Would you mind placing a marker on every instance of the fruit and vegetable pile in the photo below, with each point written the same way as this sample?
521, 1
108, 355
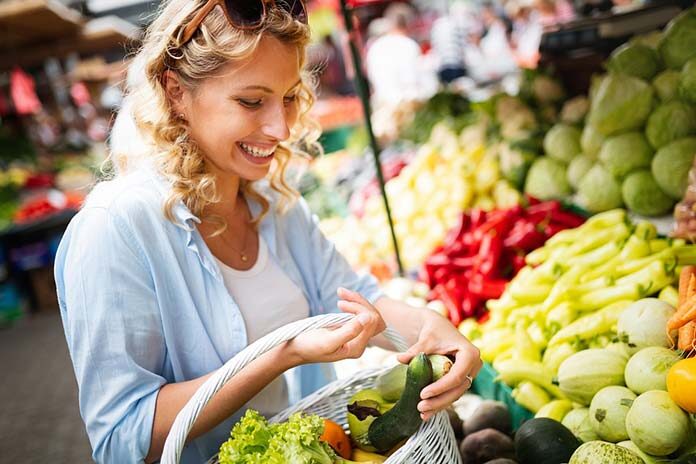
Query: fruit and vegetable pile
379, 421
485, 250
631, 141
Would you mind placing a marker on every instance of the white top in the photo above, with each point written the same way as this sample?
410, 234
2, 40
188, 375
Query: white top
267, 299
394, 67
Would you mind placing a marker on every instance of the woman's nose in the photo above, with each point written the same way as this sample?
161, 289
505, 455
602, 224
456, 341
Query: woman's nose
276, 124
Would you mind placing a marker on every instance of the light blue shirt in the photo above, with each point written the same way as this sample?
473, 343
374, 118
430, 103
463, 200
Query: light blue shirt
144, 304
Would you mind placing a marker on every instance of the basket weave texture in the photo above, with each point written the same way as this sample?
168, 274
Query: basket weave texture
433, 443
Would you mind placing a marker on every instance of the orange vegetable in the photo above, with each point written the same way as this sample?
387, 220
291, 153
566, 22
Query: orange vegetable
336, 438
683, 318
681, 384
687, 338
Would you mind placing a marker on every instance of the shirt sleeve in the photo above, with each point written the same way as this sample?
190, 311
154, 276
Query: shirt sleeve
331, 269
114, 332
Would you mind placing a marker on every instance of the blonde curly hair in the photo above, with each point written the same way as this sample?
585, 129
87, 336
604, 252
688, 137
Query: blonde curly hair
215, 43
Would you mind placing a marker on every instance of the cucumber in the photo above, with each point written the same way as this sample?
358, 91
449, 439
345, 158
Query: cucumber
403, 420
391, 384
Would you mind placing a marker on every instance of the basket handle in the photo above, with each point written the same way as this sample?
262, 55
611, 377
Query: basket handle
176, 439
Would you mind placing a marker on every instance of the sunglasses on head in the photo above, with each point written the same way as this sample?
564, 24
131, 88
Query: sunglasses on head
244, 14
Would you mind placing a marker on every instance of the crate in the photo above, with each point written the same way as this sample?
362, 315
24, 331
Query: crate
487, 387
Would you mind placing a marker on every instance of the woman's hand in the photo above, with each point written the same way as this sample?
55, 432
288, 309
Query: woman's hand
439, 336
347, 341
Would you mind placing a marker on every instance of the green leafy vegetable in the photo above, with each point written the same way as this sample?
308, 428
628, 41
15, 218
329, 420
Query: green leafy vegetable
254, 441
621, 103
635, 60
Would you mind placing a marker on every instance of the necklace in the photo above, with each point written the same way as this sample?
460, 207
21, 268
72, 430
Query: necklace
242, 253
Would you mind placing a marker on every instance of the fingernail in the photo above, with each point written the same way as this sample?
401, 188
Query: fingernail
426, 394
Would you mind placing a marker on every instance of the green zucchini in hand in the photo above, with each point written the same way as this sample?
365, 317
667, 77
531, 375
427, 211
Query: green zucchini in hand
391, 384
403, 420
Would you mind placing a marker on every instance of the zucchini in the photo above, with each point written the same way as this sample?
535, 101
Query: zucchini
391, 384
403, 420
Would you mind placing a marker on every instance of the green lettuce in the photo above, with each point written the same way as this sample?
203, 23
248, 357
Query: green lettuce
254, 441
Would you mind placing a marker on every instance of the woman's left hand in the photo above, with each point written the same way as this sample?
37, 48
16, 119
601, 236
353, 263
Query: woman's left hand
439, 336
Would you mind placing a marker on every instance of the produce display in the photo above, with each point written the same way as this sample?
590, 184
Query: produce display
634, 145
572, 291
485, 250
445, 178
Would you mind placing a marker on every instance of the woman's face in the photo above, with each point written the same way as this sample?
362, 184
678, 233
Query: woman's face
239, 117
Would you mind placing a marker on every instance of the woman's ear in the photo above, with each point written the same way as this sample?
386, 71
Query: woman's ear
175, 91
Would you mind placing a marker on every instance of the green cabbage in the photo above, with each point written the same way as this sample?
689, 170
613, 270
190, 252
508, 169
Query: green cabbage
678, 43
667, 84
669, 122
671, 164
687, 81
599, 191
591, 141
546, 179
635, 60
642, 194
514, 163
578, 168
624, 153
562, 142
575, 110
621, 103
649, 39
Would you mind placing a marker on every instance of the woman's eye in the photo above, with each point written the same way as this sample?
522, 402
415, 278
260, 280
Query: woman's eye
249, 103
290, 99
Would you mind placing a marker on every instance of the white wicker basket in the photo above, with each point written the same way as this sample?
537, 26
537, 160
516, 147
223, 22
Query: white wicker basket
433, 443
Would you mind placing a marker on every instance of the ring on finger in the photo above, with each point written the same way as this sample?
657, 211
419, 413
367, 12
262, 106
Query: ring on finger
470, 379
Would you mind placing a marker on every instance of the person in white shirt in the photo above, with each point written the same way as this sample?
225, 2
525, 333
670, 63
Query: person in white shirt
394, 61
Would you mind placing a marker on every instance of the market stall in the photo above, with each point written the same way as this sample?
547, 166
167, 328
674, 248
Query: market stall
544, 227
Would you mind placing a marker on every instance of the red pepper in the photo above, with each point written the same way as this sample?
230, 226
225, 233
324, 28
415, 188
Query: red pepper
478, 217
525, 236
567, 219
488, 258
518, 263
545, 207
499, 222
487, 289
552, 229
470, 304
453, 308
463, 262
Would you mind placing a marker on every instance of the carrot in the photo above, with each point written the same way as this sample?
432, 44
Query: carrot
687, 337
684, 281
686, 313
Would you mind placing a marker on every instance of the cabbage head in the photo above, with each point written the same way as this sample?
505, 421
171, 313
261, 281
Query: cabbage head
547, 180
671, 164
687, 81
622, 103
643, 196
678, 44
577, 169
591, 141
667, 84
515, 162
562, 142
599, 191
636, 60
625, 153
669, 122
575, 110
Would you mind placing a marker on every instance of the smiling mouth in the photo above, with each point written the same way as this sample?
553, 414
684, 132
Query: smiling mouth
255, 154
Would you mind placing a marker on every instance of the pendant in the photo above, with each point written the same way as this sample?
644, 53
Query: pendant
244, 258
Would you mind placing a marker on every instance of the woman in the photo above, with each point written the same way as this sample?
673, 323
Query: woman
174, 267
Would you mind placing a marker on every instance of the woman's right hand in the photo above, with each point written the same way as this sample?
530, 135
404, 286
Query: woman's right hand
346, 341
